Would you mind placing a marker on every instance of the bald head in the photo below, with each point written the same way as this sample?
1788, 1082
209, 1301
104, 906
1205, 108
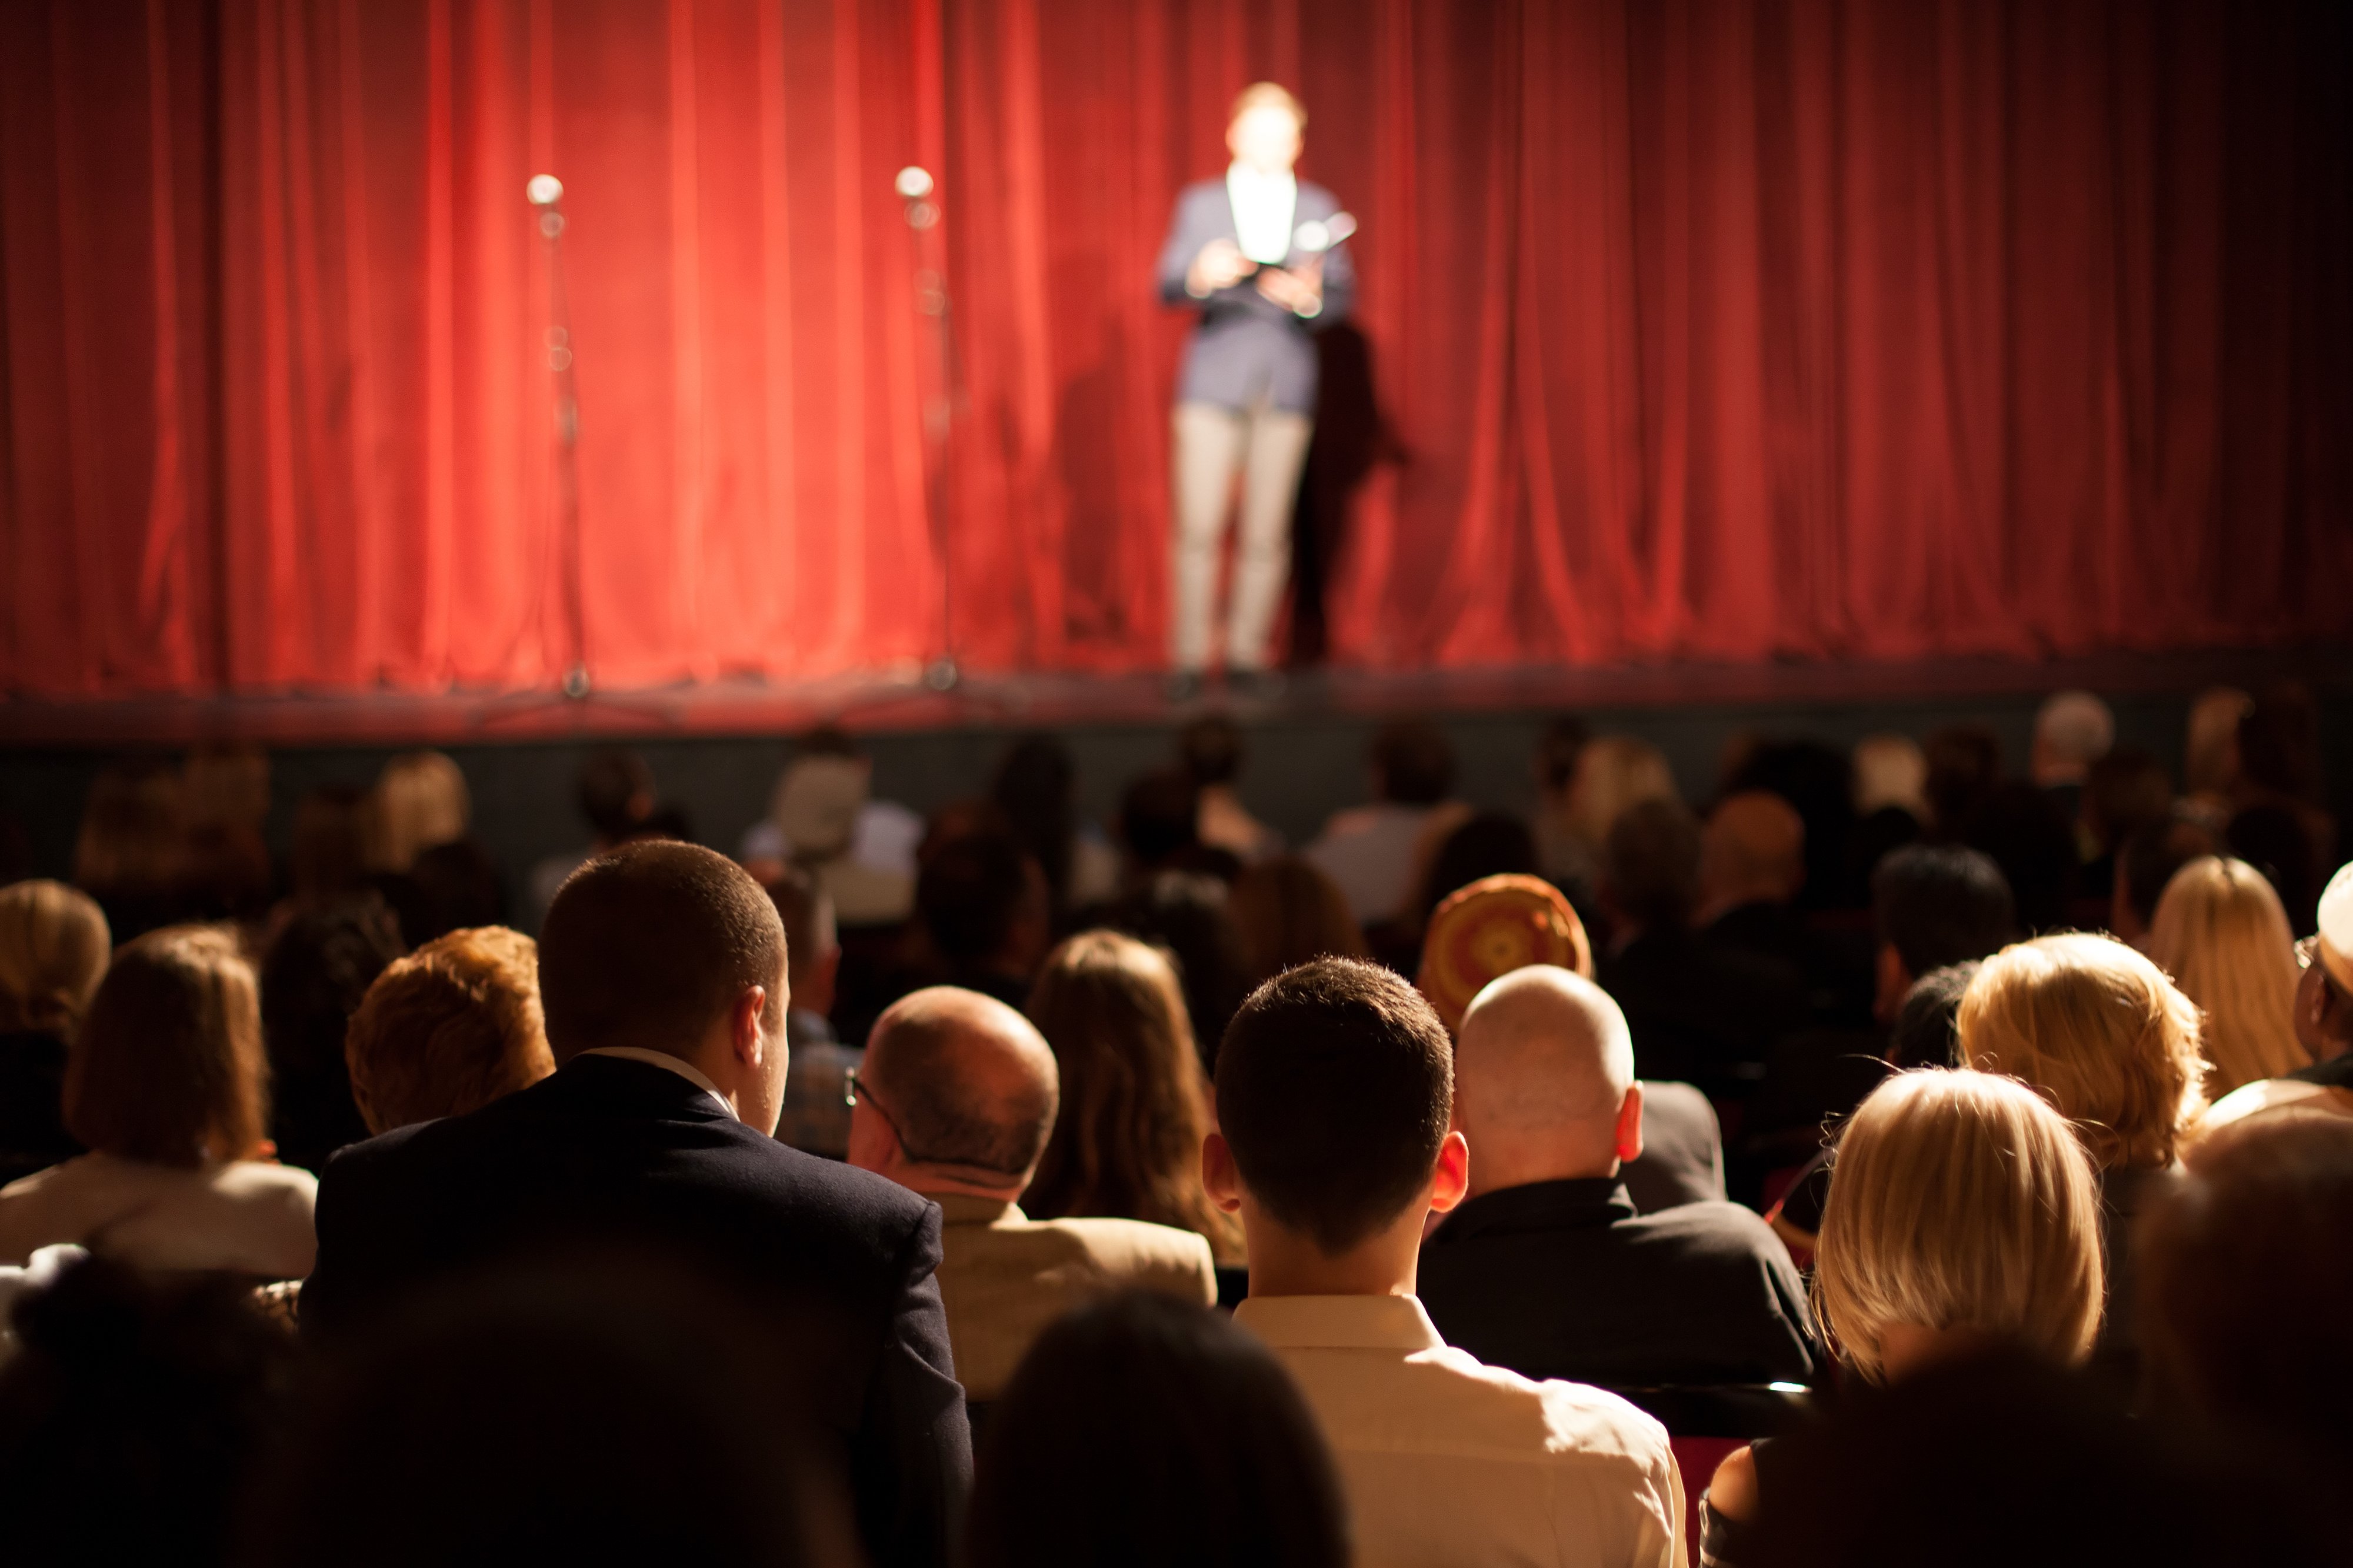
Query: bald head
1544, 1081
966, 1083
1754, 851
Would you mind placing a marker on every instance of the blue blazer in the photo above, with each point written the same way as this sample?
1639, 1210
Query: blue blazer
1247, 346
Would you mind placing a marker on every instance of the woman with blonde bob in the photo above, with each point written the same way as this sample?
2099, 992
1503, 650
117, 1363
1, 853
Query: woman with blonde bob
452, 1028
2221, 933
1127, 1140
166, 1084
1963, 1213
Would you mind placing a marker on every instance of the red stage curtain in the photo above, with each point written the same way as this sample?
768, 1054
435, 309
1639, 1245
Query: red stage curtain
1805, 326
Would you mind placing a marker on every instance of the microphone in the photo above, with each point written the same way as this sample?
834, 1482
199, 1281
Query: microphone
545, 192
914, 187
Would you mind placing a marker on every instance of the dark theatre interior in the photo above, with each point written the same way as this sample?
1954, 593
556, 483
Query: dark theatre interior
1268, 784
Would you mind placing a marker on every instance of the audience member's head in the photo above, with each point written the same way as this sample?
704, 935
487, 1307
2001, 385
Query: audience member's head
332, 837
168, 1068
1753, 851
2072, 729
1037, 786
818, 796
1160, 818
2324, 996
2246, 1271
956, 1094
1146, 1431
1935, 904
1543, 1081
1650, 866
1210, 749
1286, 912
670, 947
1817, 781
2210, 743
2099, 1027
1557, 750
1962, 1208
134, 1414
1614, 774
2123, 793
2030, 836
452, 1028
1413, 763
2145, 862
2220, 933
983, 903
130, 852
812, 943
449, 887
2279, 743
1964, 765
420, 800
1127, 1143
1926, 1032
1488, 930
317, 969
2274, 839
1492, 844
1890, 770
53, 949
1184, 914
1335, 1088
616, 792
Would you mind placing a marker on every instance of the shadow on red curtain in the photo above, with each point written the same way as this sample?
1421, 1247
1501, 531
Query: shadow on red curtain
1880, 328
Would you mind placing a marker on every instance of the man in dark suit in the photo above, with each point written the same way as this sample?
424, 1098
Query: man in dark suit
1258, 253
662, 974
1546, 1268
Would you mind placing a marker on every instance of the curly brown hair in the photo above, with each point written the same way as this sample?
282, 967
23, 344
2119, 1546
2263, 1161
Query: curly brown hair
452, 1028
1127, 1143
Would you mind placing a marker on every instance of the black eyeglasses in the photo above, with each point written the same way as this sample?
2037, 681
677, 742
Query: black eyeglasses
854, 1088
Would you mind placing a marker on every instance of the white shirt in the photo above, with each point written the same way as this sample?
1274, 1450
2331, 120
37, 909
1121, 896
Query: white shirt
1263, 206
1450, 1462
248, 1216
684, 1068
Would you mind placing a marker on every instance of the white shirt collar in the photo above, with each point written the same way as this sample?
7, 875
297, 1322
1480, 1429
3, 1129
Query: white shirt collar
679, 1065
1340, 1322
1263, 207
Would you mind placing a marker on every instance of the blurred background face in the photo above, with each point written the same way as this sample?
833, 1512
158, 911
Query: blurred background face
1265, 138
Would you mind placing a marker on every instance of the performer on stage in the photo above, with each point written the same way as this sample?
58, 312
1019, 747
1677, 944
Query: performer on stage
1255, 253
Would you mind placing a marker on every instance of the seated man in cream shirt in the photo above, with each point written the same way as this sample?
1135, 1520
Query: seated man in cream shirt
955, 1101
1335, 1090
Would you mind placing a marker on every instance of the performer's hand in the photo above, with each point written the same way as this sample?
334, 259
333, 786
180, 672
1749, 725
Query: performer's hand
1219, 265
1299, 291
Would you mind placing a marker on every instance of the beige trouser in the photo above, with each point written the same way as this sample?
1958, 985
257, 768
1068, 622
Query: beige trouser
1266, 446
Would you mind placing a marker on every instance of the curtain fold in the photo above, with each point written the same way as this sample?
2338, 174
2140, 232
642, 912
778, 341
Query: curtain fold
1795, 329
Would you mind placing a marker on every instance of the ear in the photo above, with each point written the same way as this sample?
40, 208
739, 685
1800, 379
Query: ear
1452, 1180
744, 1036
1219, 1176
1630, 1124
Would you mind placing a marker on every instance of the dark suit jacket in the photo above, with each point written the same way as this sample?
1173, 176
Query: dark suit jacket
615, 1152
1563, 1280
1247, 346
1682, 1150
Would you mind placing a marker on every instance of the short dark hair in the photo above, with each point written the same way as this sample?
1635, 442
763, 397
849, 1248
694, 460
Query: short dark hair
1939, 903
2030, 836
1413, 762
1147, 1430
1335, 1084
1210, 748
969, 894
1159, 817
314, 975
616, 788
647, 945
2156, 851
942, 1117
1652, 862
1927, 1034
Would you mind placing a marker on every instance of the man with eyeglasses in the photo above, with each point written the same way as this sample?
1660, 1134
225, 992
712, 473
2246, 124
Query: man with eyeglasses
955, 1101
2324, 1025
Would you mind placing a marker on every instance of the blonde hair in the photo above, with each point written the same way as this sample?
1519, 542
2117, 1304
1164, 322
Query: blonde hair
1615, 772
1261, 94
2099, 1028
53, 949
452, 1028
2221, 933
1959, 1200
168, 1068
420, 801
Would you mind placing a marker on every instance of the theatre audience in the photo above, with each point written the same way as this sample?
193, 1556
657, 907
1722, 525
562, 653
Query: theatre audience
661, 972
1963, 1214
615, 796
816, 1117
1372, 853
1182, 913
2220, 934
2323, 1020
1285, 912
955, 1098
1613, 774
1335, 1089
1546, 1267
1934, 905
2073, 731
1127, 1143
823, 818
983, 907
53, 951
449, 1028
1145, 1432
167, 1085
1210, 750
1752, 868
314, 975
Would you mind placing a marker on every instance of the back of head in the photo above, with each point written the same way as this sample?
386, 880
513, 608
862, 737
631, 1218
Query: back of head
453, 1026
53, 949
1184, 914
1940, 904
968, 1080
1926, 1032
1492, 844
1286, 912
818, 800
1615, 773
1816, 781
1491, 927
314, 975
1557, 750
2211, 742
617, 791
1753, 848
1543, 1057
2240, 1267
332, 838
649, 945
1334, 1085
129, 840
807, 914
420, 801
2220, 933
1160, 815
1147, 1431
2125, 792
1211, 750
1890, 770
1959, 1200
1964, 764
168, 1068
969, 895
2153, 852
1650, 863
1037, 789
448, 888
1413, 763
133, 1413
2099, 1028
2028, 834
2072, 729
1127, 1140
